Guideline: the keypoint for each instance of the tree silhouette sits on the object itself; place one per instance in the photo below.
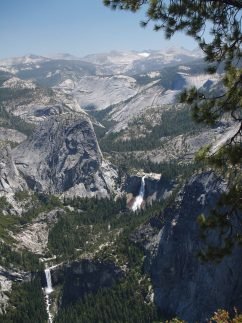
(222, 49)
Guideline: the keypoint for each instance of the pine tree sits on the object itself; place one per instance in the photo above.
(223, 50)
(222, 20)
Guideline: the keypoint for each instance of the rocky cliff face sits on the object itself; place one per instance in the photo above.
(7, 277)
(12, 135)
(183, 285)
(156, 187)
(63, 156)
(10, 181)
(34, 236)
(82, 277)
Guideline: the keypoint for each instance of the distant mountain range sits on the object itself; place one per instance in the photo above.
(122, 84)
(114, 61)
(96, 128)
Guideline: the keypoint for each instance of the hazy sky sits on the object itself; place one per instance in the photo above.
(78, 27)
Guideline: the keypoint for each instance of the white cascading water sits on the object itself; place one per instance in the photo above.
(48, 290)
(139, 199)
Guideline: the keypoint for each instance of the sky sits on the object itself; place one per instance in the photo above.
(78, 27)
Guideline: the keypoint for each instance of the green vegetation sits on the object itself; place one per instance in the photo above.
(7, 222)
(171, 170)
(4, 205)
(122, 303)
(91, 216)
(223, 52)
(21, 259)
(101, 115)
(89, 220)
(10, 257)
(38, 203)
(222, 20)
(22, 195)
(128, 300)
(94, 210)
(66, 236)
(10, 121)
(26, 304)
(173, 123)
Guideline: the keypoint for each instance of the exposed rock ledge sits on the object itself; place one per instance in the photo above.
(156, 187)
(34, 236)
(12, 135)
(7, 277)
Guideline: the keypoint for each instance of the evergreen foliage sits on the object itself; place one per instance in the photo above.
(173, 123)
(38, 203)
(26, 304)
(122, 303)
(23, 259)
(89, 221)
(226, 218)
(73, 230)
(10, 256)
(127, 300)
(224, 46)
(222, 19)
(171, 170)
(192, 18)
(8, 120)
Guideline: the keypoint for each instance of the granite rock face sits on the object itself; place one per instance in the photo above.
(84, 276)
(12, 135)
(34, 236)
(183, 285)
(7, 277)
(156, 186)
(63, 156)
(10, 181)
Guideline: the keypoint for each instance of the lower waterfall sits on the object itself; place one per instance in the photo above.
(48, 290)
(139, 199)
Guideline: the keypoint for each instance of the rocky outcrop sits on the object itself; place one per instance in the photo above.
(36, 104)
(7, 277)
(156, 187)
(11, 135)
(34, 236)
(183, 285)
(63, 156)
(10, 181)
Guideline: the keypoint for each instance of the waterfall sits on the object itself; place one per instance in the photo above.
(48, 290)
(139, 199)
